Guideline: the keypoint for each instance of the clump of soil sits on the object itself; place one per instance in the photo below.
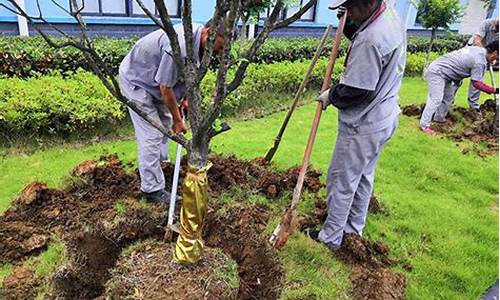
(259, 268)
(149, 272)
(465, 124)
(371, 275)
(20, 285)
(230, 172)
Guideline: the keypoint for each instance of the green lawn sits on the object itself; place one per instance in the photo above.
(439, 201)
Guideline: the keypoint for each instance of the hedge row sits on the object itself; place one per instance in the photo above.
(52, 104)
(26, 57)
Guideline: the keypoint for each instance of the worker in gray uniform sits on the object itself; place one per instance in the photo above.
(148, 77)
(368, 113)
(444, 76)
(487, 33)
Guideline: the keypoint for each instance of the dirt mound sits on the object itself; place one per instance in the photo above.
(95, 231)
(371, 275)
(259, 268)
(466, 124)
(149, 272)
(413, 110)
(20, 285)
(229, 172)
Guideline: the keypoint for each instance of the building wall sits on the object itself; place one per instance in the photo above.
(202, 11)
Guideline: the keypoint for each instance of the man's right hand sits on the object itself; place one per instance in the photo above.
(179, 127)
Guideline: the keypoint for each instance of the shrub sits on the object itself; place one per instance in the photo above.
(51, 104)
(25, 57)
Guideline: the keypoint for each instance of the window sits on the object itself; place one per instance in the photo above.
(126, 8)
(308, 16)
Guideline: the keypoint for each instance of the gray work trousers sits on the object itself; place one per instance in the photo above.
(152, 145)
(440, 97)
(350, 181)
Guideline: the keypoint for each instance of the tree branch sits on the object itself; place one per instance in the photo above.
(172, 36)
(150, 14)
(295, 16)
(221, 86)
(250, 53)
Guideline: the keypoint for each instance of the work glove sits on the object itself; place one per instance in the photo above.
(324, 99)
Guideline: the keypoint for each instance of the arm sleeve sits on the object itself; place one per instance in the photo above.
(342, 96)
(363, 67)
(167, 72)
(477, 72)
(483, 87)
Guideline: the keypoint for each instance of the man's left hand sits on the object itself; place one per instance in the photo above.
(183, 107)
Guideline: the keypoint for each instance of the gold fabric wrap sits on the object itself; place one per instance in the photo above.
(189, 246)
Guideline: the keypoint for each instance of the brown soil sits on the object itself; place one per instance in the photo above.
(83, 214)
(464, 124)
(371, 275)
(230, 172)
(20, 285)
(149, 272)
(259, 267)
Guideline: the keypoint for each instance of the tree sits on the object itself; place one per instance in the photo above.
(435, 14)
(201, 116)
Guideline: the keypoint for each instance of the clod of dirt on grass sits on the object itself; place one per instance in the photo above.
(21, 284)
(238, 231)
(371, 275)
(20, 239)
(465, 124)
(148, 272)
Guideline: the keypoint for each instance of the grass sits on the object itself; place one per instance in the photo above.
(439, 201)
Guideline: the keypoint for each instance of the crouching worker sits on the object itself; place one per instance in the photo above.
(368, 113)
(444, 76)
(148, 76)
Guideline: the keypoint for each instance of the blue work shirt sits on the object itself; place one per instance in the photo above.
(150, 63)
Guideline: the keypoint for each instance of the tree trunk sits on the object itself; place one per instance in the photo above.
(198, 154)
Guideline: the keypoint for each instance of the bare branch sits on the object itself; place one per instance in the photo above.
(250, 53)
(150, 14)
(187, 22)
(172, 36)
(220, 10)
(295, 16)
(223, 128)
(221, 86)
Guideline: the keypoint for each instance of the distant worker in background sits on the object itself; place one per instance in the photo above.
(487, 33)
(444, 76)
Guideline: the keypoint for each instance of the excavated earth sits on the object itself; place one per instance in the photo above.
(95, 233)
(85, 217)
(371, 274)
(464, 124)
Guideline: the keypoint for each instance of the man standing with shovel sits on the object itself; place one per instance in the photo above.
(367, 100)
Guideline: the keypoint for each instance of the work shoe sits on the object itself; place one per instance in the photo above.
(312, 233)
(428, 130)
(160, 196)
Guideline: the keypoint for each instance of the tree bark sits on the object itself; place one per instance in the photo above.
(433, 36)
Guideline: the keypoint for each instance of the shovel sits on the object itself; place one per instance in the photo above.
(283, 231)
(171, 227)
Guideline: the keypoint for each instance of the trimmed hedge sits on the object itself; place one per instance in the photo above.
(52, 104)
(26, 57)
